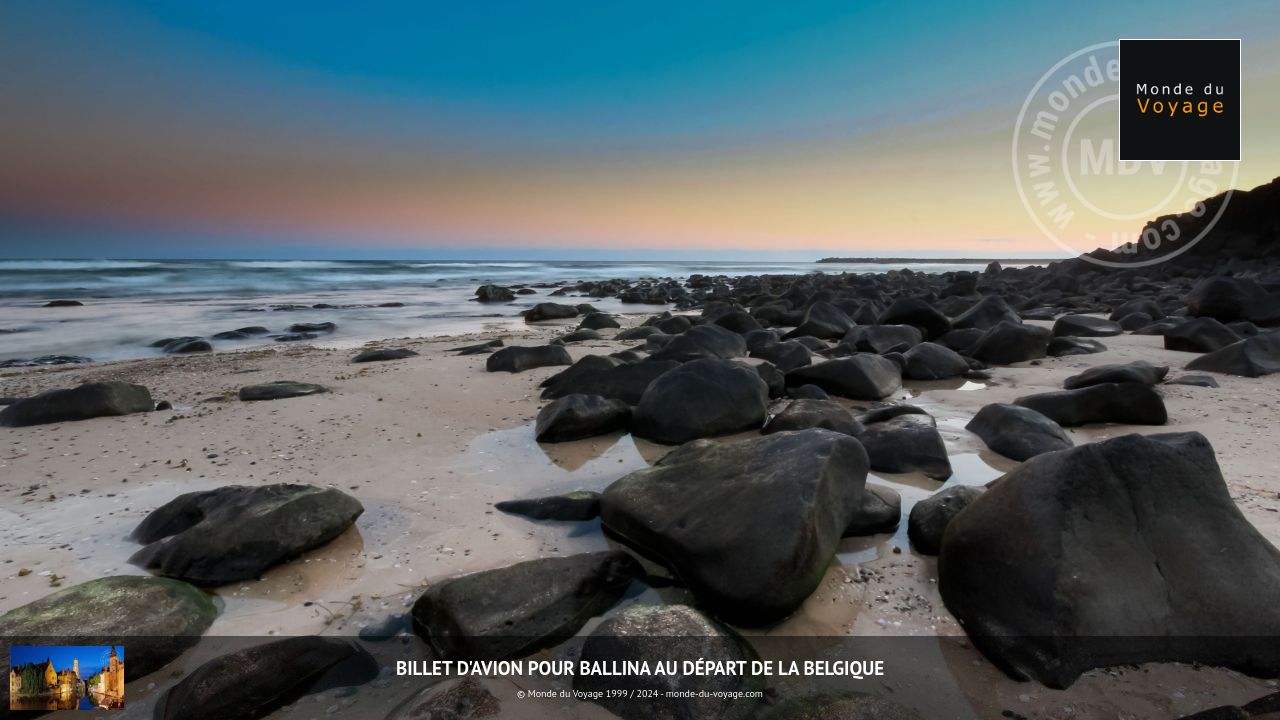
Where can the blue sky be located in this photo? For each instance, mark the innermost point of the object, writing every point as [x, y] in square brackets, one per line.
[339, 129]
[92, 657]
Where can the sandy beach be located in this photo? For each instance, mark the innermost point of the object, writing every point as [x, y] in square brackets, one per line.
[429, 443]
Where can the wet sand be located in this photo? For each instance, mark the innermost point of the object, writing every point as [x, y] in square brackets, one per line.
[429, 443]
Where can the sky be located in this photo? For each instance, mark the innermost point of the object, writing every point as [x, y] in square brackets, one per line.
[558, 129]
[93, 658]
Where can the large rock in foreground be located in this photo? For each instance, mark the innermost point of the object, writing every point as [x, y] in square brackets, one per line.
[256, 681]
[860, 377]
[79, 403]
[157, 618]
[237, 532]
[1126, 403]
[666, 633]
[1121, 552]
[702, 398]
[515, 611]
[750, 525]
[1018, 432]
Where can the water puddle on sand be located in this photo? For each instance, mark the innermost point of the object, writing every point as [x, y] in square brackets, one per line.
[78, 537]
[969, 468]
[513, 458]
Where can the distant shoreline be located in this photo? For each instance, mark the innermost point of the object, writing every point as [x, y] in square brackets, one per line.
[943, 261]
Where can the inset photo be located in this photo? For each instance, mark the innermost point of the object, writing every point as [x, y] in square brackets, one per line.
[44, 678]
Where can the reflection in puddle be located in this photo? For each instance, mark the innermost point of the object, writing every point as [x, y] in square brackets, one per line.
[968, 469]
[916, 388]
[549, 468]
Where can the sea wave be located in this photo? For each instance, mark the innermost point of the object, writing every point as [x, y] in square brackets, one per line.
[6, 265]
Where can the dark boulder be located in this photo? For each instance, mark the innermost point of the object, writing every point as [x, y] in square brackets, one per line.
[1141, 306]
[805, 414]
[62, 303]
[962, 340]
[670, 324]
[930, 517]
[858, 377]
[321, 327]
[1251, 357]
[158, 618]
[576, 416]
[881, 339]
[1135, 321]
[1227, 299]
[823, 320]
[494, 293]
[1085, 326]
[597, 375]
[576, 505]
[294, 337]
[667, 634]
[986, 314]
[86, 401]
[640, 332]
[773, 378]
[517, 358]
[702, 398]
[807, 392]
[1139, 371]
[739, 321]
[46, 360]
[237, 532]
[578, 336]
[1124, 403]
[460, 698]
[186, 346]
[481, 349]
[1194, 381]
[279, 390]
[1201, 335]
[917, 313]
[888, 411]
[786, 356]
[846, 705]
[1122, 552]
[598, 321]
[515, 611]
[907, 443]
[253, 682]
[1009, 343]
[382, 354]
[702, 341]
[550, 311]
[930, 361]
[750, 526]
[1017, 432]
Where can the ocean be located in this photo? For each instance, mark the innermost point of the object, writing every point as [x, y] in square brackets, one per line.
[128, 304]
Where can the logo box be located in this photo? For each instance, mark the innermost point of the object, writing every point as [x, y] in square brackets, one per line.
[1180, 99]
